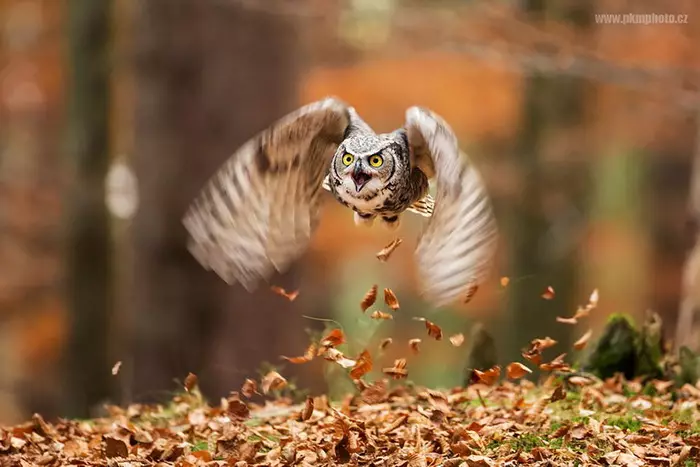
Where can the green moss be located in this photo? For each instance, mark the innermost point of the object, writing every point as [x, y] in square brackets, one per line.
[625, 423]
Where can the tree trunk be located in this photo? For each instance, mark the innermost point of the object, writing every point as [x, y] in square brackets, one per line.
[88, 255]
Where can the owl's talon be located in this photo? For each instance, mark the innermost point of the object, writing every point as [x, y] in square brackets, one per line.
[391, 223]
[365, 220]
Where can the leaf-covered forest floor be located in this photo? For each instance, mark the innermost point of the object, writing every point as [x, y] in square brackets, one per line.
[578, 420]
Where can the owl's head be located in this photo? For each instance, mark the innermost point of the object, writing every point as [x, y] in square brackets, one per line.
[367, 166]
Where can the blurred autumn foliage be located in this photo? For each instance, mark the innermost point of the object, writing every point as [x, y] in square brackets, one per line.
[585, 133]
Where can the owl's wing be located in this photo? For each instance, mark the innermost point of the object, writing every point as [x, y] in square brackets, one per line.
[258, 212]
[458, 244]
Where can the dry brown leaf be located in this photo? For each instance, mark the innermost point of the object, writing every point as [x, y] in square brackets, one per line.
[386, 343]
[362, 366]
[434, 330]
[517, 370]
[390, 299]
[490, 376]
[398, 371]
[386, 252]
[457, 339]
[335, 355]
[470, 293]
[291, 296]
[581, 343]
[376, 314]
[548, 294]
[557, 364]
[593, 299]
[307, 357]
[369, 299]
[190, 382]
[572, 320]
[308, 409]
[542, 344]
[116, 367]
[272, 382]
[558, 394]
[505, 281]
[414, 344]
[249, 388]
[333, 339]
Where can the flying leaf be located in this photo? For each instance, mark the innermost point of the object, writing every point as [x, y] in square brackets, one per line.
[116, 367]
[291, 296]
[333, 339]
[583, 340]
[307, 357]
[335, 355]
[414, 344]
[249, 388]
[457, 339]
[390, 299]
[489, 376]
[398, 371]
[434, 330]
[308, 409]
[548, 294]
[369, 299]
[504, 281]
[380, 315]
[470, 293]
[190, 382]
[386, 252]
[362, 366]
[542, 344]
[272, 382]
[517, 370]
[557, 364]
[386, 343]
[593, 300]
[558, 394]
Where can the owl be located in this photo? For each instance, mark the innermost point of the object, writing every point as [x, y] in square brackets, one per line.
[260, 210]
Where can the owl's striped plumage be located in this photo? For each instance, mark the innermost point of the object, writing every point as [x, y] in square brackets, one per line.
[260, 210]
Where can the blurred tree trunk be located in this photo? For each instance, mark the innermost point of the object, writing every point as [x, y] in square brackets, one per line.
[88, 256]
[545, 221]
[209, 75]
[688, 326]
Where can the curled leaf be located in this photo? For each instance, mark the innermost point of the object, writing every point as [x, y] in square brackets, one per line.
[398, 371]
[385, 343]
[291, 296]
[333, 339]
[380, 315]
[190, 382]
[504, 281]
[470, 293]
[434, 330]
[308, 409]
[272, 382]
[517, 370]
[249, 388]
[557, 364]
[362, 366]
[489, 376]
[386, 252]
[558, 394]
[116, 367]
[307, 357]
[580, 344]
[414, 344]
[390, 299]
[335, 355]
[369, 299]
[457, 339]
[548, 294]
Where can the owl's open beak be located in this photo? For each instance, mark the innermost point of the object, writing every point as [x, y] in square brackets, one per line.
[360, 177]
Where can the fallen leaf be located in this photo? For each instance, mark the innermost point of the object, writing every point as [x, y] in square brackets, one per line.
[390, 299]
[386, 252]
[308, 409]
[386, 343]
[457, 339]
[272, 382]
[190, 382]
[380, 315]
[116, 367]
[307, 357]
[489, 376]
[517, 370]
[116, 446]
[369, 299]
[362, 366]
[291, 296]
[479, 461]
[470, 293]
[398, 371]
[580, 344]
[548, 294]
[333, 339]
[414, 345]
[249, 388]
[504, 281]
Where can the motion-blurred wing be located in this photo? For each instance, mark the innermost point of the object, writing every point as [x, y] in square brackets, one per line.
[455, 250]
[258, 212]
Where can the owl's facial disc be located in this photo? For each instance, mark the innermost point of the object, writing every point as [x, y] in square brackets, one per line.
[360, 176]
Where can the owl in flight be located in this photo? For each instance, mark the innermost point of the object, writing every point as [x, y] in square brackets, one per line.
[260, 210]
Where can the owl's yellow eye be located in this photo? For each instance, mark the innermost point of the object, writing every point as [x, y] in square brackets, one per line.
[348, 158]
[376, 161]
